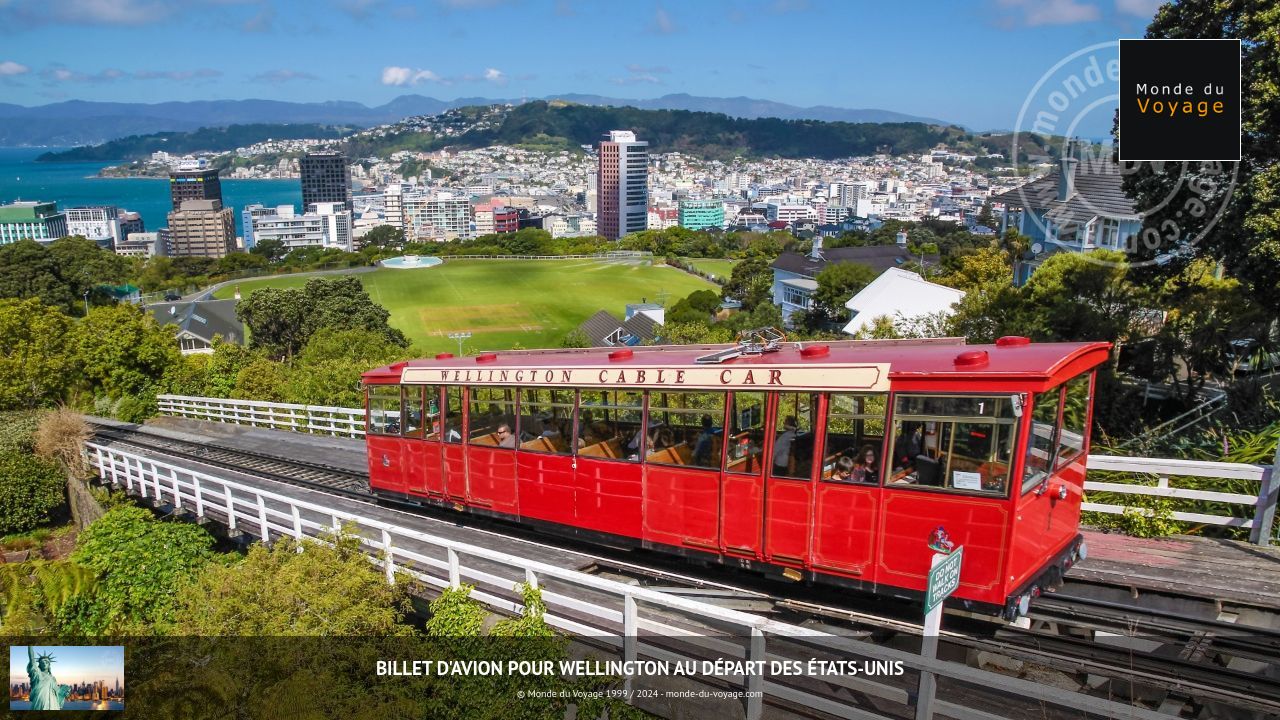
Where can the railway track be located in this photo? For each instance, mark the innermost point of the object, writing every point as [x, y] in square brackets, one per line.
[1189, 660]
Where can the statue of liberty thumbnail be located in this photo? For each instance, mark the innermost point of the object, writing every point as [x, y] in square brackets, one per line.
[46, 693]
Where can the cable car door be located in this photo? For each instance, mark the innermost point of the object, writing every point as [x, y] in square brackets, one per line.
[454, 453]
[847, 494]
[789, 476]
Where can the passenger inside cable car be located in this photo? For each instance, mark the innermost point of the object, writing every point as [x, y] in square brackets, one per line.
[954, 442]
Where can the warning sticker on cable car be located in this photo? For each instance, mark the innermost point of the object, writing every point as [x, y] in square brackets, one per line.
[869, 376]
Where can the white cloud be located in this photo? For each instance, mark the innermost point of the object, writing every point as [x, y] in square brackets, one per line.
[9, 68]
[1140, 8]
[88, 12]
[276, 77]
[642, 78]
[662, 22]
[394, 75]
[1051, 12]
[495, 75]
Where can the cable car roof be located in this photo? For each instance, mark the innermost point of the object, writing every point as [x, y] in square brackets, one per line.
[825, 365]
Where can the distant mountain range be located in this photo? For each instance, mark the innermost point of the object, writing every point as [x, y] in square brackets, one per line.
[80, 122]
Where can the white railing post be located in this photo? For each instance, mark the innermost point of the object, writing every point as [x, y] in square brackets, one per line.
[128, 477]
[755, 681]
[1264, 516]
[195, 484]
[231, 507]
[177, 491]
[297, 526]
[630, 637]
[262, 518]
[391, 563]
[455, 571]
[531, 578]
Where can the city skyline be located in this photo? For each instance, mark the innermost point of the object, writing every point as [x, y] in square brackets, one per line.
[898, 57]
[73, 665]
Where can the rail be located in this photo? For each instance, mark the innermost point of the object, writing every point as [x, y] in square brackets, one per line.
[639, 623]
[314, 419]
[349, 422]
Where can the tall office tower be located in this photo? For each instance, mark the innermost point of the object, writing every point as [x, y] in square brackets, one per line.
[325, 179]
[623, 185]
[193, 184]
[203, 228]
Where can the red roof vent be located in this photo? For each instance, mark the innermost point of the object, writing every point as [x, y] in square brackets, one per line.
[443, 356]
[486, 357]
[1013, 341]
[972, 359]
[623, 354]
[815, 351]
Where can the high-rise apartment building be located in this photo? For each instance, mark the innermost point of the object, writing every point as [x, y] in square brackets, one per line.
[130, 222]
[623, 186]
[325, 225]
[27, 220]
[194, 184]
[100, 223]
[326, 178]
[436, 217]
[699, 214]
[202, 228]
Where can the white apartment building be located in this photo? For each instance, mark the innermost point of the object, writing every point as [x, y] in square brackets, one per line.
[436, 217]
[327, 225]
[482, 218]
[789, 212]
[99, 223]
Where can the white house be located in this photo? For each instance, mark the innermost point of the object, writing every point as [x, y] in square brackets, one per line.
[901, 295]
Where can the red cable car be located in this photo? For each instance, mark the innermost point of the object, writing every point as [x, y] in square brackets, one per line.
[848, 463]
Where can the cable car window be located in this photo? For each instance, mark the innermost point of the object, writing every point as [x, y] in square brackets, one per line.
[609, 425]
[431, 409]
[492, 418]
[546, 421]
[1043, 440]
[686, 428]
[746, 433]
[384, 409]
[412, 411]
[957, 443]
[855, 434]
[453, 414]
[793, 440]
[1075, 413]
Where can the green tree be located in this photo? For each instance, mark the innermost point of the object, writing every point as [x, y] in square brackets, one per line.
[223, 367]
[30, 270]
[273, 250]
[383, 236]
[262, 379]
[282, 321]
[141, 565]
[837, 283]
[30, 489]
[1083, 296]
[327, 589]
[85, 265]
[124, 351]
[750, 283]
[575, 338]
[985, 267]
[37, 359]
[1246, 235]
[987, 217]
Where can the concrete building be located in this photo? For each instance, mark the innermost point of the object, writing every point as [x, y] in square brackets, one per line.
[194, 184]
[436, 217]
[100, 224]
[622, 185]
[482, 221]
[202, 228]
[699, 214]
[506, 219]
[28, 220]
[248, 216]
[130, 222]
[326, 178]
[393, 206]
[326, 225]
[145, 244]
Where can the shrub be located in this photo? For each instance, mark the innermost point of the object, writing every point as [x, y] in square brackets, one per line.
[60, 436]
[17, 430]
[135, 409]
[30, 489]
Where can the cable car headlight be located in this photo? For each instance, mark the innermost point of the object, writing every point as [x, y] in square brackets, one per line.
[1024, 604]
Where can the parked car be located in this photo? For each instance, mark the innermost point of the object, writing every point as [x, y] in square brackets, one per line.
[1251, 356]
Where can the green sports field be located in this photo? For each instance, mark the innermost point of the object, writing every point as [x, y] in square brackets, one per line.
[712, 266]
[504, 302]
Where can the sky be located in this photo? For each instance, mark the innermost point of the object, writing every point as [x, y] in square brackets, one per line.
[968, 61]
[72, 664]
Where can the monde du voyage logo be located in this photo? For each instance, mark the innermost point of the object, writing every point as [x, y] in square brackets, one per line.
[1180, 100]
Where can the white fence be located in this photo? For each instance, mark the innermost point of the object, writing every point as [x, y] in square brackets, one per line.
[1263, 501]
[639, 623]
[349, 422]
[316, 419]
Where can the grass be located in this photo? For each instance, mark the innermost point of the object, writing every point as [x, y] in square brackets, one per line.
[711, 266]
[533, 303]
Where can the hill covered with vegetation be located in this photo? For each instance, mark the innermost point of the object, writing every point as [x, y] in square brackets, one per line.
[214, 139]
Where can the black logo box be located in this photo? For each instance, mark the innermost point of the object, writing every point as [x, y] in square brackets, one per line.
[1186, 69]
